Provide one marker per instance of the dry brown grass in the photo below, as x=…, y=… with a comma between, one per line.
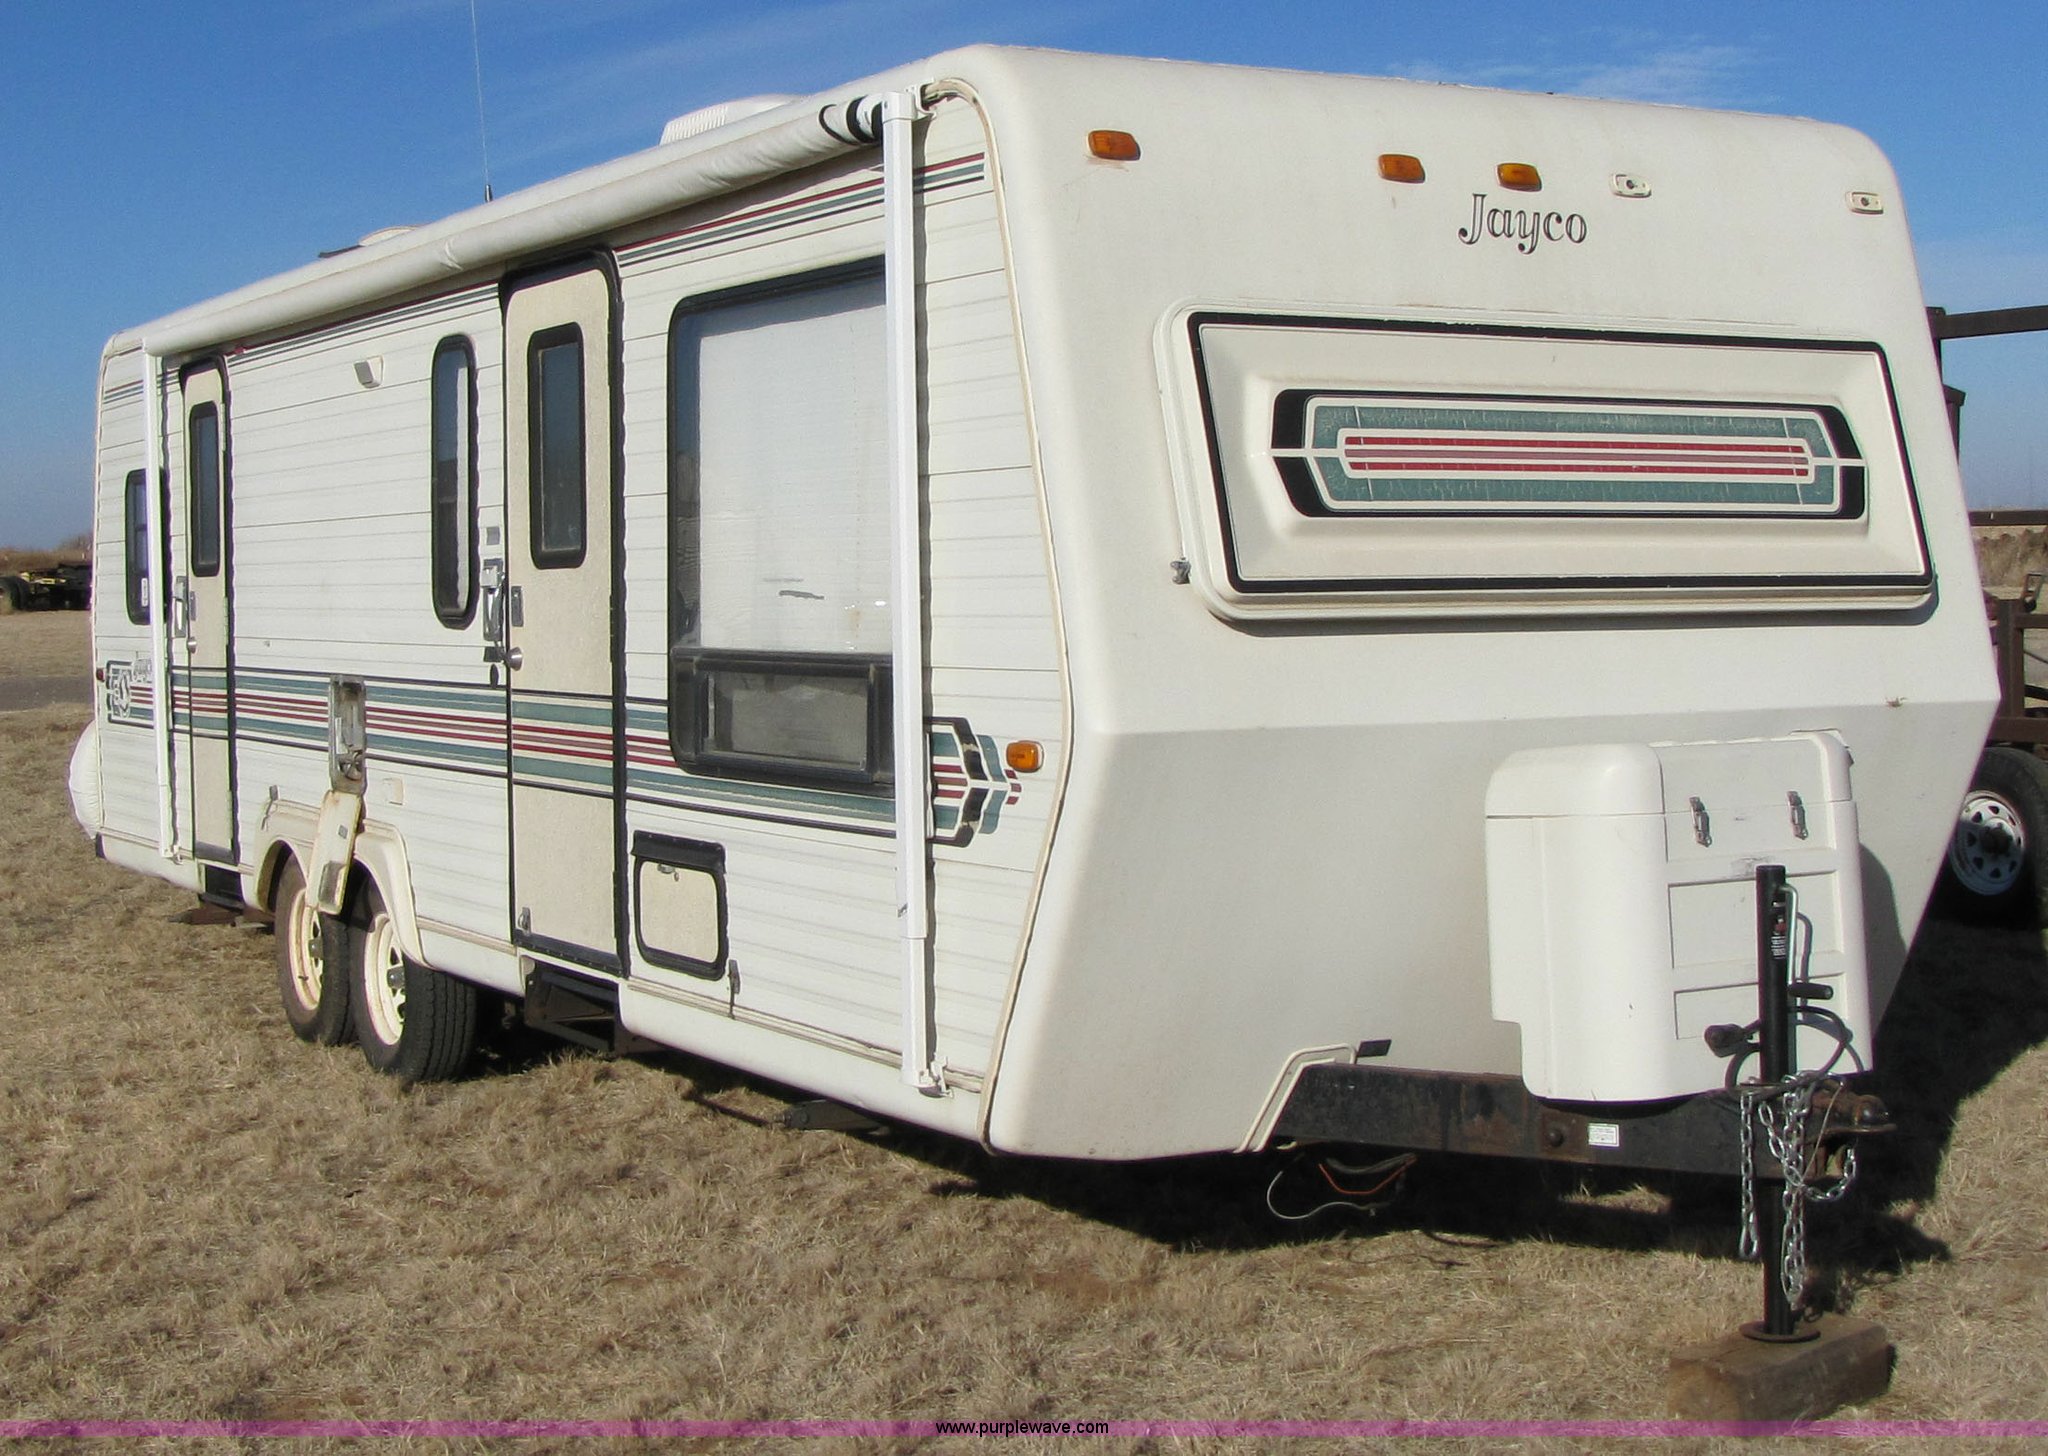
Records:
x=45, y=644
x=201, y=1218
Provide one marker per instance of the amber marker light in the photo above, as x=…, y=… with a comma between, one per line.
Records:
x=1024, y=756
x=1520, y=176
x=1113, y=146
x=1400, y=167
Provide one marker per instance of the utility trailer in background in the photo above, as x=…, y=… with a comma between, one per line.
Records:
x=1111, y=608
x=1997, y=864
x=62, y=586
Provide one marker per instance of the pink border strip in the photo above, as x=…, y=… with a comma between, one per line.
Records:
x=675, y=1430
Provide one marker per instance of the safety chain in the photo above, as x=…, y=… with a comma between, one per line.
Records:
x=1782, y=1111
x=1784, y=1133
x=1749, y=1097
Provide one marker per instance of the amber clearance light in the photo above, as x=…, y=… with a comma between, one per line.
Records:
x=1520, y=176
x=1113, y=146
x=1400, y=167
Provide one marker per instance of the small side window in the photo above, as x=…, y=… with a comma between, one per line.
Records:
x=203, y=450
x=452, y=527
x=555, y=455
x=135, y=544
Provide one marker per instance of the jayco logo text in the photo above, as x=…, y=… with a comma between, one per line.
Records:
x=1523, y=226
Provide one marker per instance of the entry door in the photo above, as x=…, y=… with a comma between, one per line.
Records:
x=203, y=683
x=558, y=618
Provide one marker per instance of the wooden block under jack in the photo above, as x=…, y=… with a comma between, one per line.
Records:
x=1740, y=1379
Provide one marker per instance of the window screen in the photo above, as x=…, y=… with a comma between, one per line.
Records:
x=203, y=444
x=453, y=506
x=135, y=544
x=555, y=456
x=779, y=530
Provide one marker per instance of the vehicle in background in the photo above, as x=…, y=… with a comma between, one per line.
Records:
x=66, y=585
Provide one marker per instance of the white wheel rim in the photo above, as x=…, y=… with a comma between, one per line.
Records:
x=1989, y=844
x=384, y=978
x=308, y=965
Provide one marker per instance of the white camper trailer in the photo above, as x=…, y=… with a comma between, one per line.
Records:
x=1108, y=607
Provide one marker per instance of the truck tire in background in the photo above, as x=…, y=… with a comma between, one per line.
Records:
x=10, y=595
x=1997, y=863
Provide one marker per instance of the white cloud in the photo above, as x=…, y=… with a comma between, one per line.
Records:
x=1694, y=75
x=1679, y=73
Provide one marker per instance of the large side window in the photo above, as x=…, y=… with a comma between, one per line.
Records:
x=135, y=544
x=202, y=435
x=453, y=520
x=779, y=531
x=554, y=458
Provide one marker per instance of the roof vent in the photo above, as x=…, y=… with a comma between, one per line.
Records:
x=710, y=118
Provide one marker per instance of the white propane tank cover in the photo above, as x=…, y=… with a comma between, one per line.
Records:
x=723, y=113
x=1621, y=904
x=1590, y=778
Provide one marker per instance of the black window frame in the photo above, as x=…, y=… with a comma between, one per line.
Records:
x=137, y=568
x=203, y=533
x=457, y=514
x=555, y=557
x=695, y=670
x=682, y=854
x=695, y=676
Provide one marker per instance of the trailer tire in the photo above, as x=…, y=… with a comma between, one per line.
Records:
x=1996, y=868
x=413, y=1022
x=314, y=994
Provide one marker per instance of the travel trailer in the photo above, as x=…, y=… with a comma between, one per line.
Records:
x=1111, y=608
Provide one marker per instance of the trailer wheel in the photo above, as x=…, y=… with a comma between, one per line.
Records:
x=1997, y=863
x=315, y=1002
x=413, y=1022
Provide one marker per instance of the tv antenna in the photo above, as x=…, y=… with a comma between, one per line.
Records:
x=483, y=131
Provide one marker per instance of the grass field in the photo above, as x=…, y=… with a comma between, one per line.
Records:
x=202, y=1218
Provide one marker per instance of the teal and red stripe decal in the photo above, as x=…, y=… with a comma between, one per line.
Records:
x=1375, y=453
x=199, y=701
x=850, y=197
x=653, y=777
x=566, y=742
x=562, y=742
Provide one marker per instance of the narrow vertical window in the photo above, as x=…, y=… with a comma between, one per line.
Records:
x=203, y=449
x=555, y=455
x=135, y=544
x=453, y=506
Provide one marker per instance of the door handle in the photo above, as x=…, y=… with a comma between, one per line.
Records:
x=492, y=578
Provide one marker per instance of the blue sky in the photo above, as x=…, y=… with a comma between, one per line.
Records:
x=153, y=155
